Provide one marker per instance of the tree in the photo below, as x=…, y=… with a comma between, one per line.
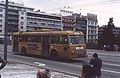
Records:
x=108, y=36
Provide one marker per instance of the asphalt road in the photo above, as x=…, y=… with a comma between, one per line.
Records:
x=110, y=69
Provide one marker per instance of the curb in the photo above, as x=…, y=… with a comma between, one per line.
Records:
x=55, y=70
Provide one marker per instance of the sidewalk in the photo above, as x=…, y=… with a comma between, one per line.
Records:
x=18, y=70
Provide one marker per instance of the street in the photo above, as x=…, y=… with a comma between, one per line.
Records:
x=110, y=69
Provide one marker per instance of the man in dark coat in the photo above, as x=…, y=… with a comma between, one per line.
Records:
x=3, y=63
x=96, y=62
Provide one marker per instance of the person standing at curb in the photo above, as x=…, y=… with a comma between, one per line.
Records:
x=3, y=64
x=96, y=62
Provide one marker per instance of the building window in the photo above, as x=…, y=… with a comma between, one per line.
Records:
x=28, y=18
x=0, y=21
x=30, y=23
x=22, y=13
x=22, y=18
x=43, y=24
x=22, y=23
x=0, y=30
x=0, y=26
x=1, y=15
x=1, y=10
x=21, y=27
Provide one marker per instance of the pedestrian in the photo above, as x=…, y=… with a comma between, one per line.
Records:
x=96, y=62
x=43, y=73
x=3, y=64
x=87, y=71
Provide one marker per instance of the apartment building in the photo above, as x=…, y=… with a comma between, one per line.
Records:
x=81, y=23
x=21, y=18
x=92, y=30
x=15, y=16
x=39, y=20
x=87, y=24
x=69, y=22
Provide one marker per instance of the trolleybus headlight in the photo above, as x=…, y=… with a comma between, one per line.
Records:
x=73, y=52
x=79, y=48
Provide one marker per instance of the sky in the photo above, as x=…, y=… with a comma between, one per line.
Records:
x=104, y=9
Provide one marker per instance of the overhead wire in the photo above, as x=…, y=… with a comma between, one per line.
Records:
x=97, y=3
x=84, y=5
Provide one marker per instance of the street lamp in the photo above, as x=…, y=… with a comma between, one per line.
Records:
x=5, y=30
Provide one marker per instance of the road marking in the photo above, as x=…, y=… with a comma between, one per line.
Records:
x=80, y=66
x=68, y=64
x=117, y=65
x=40, y=64
x=107, y=59
x=116, y=72
x=111, y=71
x=104, y=54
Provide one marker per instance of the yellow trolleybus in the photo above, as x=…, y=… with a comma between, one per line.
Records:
x=53, y=44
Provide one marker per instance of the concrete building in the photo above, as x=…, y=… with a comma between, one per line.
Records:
x=16, y=16
x=87, y=24
x=69, y=22
x=92, y=30
x=21, y=18
x=39, y=20
x=116, y=32
x=81, y=23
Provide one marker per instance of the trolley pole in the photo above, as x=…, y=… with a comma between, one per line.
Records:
x=5, y=30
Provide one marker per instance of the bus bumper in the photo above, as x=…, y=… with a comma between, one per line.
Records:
x=82, y=56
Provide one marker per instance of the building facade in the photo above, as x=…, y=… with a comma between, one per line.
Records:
x=21, y=18
x=81, y=23
x=39, y=20
x=15, y=16
x=87, y=24
x=69, y=22
x=92, y=30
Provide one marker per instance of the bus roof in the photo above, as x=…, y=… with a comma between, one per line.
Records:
x=50, y=33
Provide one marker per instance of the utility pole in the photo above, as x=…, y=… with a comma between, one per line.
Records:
x=5, y=30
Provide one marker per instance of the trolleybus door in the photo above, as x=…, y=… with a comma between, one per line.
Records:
x=15, y=43
x=45, y=46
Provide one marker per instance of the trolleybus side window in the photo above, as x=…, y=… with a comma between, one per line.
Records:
x=56, y=39
x=38, y=39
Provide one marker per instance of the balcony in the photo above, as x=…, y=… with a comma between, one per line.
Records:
x=13, y=13
x=12, y=23
x=13, y=18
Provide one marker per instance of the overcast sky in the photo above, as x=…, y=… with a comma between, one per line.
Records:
x=103, y=8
